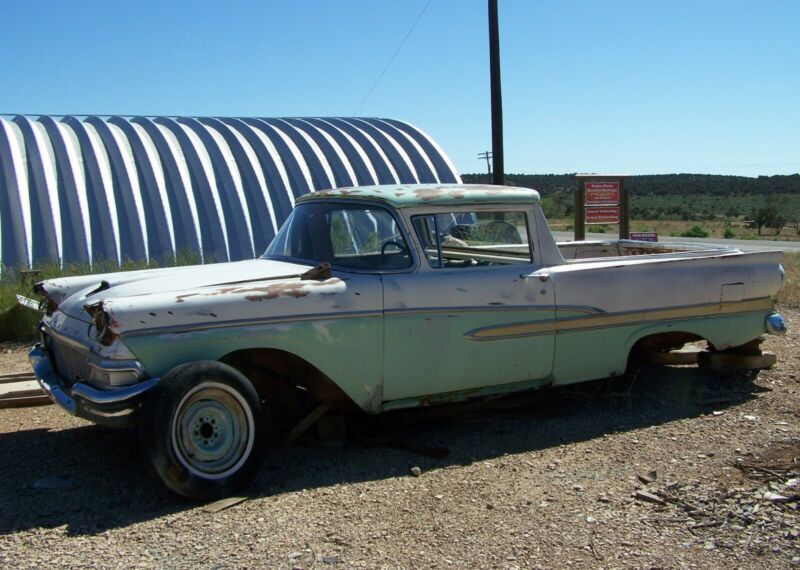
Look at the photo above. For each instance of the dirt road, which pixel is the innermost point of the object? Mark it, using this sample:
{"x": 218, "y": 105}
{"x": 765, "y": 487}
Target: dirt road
{"x": 548, "y": 484}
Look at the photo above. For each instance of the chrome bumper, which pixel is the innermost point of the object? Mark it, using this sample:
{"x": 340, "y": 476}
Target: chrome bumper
{"x": 115, "y": 407}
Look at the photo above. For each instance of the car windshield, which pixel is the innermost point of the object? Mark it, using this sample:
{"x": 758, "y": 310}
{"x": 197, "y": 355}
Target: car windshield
{"x": 351, "y": 236}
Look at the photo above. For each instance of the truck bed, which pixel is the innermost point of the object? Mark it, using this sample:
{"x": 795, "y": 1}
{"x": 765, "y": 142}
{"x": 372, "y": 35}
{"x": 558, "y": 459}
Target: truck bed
{"x": 584, "y": 250}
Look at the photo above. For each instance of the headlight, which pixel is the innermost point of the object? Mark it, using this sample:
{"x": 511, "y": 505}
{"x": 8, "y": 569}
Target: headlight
{"x": 102, "y": 333}
{"x": 114, "y": 372}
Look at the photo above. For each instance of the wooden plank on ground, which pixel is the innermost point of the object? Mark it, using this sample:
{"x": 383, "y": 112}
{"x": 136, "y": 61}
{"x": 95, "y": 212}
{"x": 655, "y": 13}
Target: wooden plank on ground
{"x": 16, "y": 377}
{"x": 22, "y": 394}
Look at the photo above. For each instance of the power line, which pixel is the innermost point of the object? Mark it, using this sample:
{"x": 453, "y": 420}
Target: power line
{"x": 487, "y": 156}
{"x": 391, "y": 60}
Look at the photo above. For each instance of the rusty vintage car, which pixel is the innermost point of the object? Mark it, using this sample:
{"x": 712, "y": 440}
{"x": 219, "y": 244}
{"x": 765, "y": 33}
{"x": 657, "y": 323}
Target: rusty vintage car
{"x": 373, "y": 299}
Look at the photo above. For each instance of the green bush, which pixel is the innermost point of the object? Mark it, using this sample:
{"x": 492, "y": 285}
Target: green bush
{"x": 695, "y": 232}
{"x": 729, "y": 233}
{"x": 19, "y": 323}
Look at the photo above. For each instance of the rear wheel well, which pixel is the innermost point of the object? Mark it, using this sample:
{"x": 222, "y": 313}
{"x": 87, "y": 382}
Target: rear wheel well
{"x": 659, "y": 342}
{"x": 289, "y": 383}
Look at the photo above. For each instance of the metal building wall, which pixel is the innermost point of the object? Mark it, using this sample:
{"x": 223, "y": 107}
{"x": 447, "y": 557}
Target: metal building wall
{"x": 90, "y": 189}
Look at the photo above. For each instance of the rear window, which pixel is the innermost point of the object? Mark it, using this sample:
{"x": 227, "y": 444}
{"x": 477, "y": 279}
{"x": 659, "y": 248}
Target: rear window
{"x": 474, "y": 239}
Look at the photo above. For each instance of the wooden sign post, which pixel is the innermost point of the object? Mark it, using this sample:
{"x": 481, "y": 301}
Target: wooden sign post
{"x": 601, "y": 199}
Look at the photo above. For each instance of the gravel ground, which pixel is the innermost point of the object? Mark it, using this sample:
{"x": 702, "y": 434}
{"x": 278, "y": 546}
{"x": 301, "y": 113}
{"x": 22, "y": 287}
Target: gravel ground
{"x": 13, "y": 358}
{"x": 547, "y": 484}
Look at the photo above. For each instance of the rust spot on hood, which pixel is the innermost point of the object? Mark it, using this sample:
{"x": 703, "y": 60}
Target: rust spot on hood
{"x": 294, "y": 289}
{"x": 182, "y": 298}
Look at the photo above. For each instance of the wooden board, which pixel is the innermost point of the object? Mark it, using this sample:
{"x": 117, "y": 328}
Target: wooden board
{"x": 21, "y": 394}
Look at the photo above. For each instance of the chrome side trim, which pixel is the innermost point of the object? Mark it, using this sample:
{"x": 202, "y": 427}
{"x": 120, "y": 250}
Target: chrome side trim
{"x": 251, "y": 322}
{"x": 497, "y": 308}
{"x": 207, "y": 325}
{"x": 534, "y": 328}
{"x": 410, "y": 311}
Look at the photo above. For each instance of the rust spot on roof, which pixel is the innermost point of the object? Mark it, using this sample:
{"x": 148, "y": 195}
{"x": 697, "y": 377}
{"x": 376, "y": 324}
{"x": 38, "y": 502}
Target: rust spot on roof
{"x": 426, "y": 194}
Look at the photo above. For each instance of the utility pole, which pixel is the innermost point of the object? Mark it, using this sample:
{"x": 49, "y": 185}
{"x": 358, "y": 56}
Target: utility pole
{"x": 497, "y": 99}
{"x": 486, "y": 155}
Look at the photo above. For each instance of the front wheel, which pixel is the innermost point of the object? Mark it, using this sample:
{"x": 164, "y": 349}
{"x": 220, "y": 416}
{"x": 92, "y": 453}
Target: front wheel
{"x": 204, "y": 430}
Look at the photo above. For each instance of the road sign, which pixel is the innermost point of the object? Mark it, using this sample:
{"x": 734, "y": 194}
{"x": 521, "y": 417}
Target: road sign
{"x": 601, "y": 199}
{"x": 602, "y": 214}
{"x": 644, "y": 236}
{"x": 602, "y": 194}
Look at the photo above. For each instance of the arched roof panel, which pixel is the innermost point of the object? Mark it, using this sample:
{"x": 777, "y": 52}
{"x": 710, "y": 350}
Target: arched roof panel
{"x": 90, "y": 189}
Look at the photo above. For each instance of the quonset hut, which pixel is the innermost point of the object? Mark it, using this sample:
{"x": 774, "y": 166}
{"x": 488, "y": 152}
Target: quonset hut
{"x": 95, "y": 189}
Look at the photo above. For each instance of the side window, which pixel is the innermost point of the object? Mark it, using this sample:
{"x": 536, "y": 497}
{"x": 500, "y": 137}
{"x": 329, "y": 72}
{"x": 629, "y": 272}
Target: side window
{"x": 425, "y": 226}
{"x": 474, "y": 239}
{"x": 355, "y": 236}
{"x": 367, "y": 239}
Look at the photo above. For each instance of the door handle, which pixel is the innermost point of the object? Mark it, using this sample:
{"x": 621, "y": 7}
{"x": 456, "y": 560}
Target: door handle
{"x": 543, "y": 276}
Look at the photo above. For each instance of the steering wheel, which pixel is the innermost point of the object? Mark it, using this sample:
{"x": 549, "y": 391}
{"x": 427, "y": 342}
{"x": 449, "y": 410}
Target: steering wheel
{"x": 403, "y": 249}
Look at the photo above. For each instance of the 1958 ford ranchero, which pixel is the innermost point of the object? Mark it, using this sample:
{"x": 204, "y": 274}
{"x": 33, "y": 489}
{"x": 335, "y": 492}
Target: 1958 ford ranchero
{"x": 374, "y": 299}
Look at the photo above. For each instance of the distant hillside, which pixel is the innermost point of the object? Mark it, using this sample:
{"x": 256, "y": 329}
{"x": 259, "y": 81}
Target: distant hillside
{"x": 682, "y": 184}
{"x": 670, "y": 196}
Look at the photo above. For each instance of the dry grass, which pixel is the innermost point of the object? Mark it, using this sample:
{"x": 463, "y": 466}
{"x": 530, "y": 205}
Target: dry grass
{"x": 674, "y": 228}
{"x": 790, "y": 294}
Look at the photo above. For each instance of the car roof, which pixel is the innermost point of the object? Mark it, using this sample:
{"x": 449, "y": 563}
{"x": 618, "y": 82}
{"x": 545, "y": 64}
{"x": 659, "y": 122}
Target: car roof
{"x": 410, "y": 195}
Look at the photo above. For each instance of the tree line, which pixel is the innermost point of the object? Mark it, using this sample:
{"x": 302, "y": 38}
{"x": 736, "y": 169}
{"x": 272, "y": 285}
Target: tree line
{"x": 660, "y": 184}
{"x": 762, "y": 202}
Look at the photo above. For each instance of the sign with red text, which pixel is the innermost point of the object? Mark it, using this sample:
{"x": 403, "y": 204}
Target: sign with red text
{"x": 602, "y": 215}
{"x": 602, "y": 194}
{"x": 601, "y": 200}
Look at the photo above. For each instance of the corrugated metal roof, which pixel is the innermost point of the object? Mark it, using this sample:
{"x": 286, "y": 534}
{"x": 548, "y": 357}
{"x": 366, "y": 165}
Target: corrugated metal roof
{"x": 90, "y": 189}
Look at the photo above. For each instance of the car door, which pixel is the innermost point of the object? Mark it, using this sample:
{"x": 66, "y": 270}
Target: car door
{"x": 463, "y": 325}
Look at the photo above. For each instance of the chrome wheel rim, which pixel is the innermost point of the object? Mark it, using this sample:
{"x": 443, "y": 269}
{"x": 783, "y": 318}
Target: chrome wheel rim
{"x": 213, "y": 430}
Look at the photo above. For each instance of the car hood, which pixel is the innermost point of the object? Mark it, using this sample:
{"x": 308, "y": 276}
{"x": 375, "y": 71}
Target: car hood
{"x": 148, "y": 286}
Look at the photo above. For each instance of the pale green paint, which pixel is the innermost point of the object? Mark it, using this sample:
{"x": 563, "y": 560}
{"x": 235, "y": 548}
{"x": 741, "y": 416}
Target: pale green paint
{"x": 412, "y": 195}
{"x": 436, "y": 366}
{"x": 598, "y": 353}
{"x": 348, "y": 350}
{"x": 464, "y": 395}
{"x": 428, "y": 353}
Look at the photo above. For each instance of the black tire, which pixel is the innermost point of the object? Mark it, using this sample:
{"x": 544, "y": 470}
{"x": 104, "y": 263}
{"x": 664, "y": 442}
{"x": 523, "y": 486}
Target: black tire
{"x": 204, "y": 430}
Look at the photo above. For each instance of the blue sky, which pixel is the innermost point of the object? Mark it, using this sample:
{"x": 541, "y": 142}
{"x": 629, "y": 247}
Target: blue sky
{"x": 595, "y": 86}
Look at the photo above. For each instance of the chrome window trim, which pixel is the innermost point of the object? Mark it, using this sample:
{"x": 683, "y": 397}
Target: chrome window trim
{"x": 419, "y": 211}
{"x": 398, "y": 219}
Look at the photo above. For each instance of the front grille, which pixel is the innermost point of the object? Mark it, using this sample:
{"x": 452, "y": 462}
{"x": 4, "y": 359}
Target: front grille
{"x": 71, "y": 364}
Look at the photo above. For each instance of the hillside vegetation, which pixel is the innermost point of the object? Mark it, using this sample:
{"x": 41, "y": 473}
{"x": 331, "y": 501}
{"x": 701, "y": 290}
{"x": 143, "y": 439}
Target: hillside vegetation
{"x": 682, "y": 197}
